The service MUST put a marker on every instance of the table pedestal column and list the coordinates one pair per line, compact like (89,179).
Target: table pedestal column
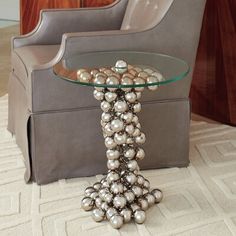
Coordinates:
(123,193)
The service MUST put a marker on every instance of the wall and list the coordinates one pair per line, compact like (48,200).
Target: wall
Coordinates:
(9,9)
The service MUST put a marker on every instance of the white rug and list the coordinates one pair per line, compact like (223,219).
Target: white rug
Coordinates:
(199,200)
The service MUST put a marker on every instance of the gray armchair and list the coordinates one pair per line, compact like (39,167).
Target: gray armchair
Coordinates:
(56,123)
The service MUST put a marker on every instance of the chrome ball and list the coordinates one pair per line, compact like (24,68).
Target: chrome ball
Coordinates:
(136,132)
(102,192)
(120,106)
(85,77)
(127,117)
(100,79)
(135,120)
(146,184)
(132,165)
(104,206)
(157,193)
(98,95)
(137,191)
(98,215)
(139,216)
(117,188)
(129,140)
(106,117)
(110,97)
(94,72)
(120,138)
(88,191)
(112,177)
(112,80)
(130,97)
(150,198)
(116,221)
(110,212)
(152,80)
(98,202)
(117,125)
(129,195)
(137,107)
(97,186)
(112,154)
(105,106)
(105,184)
(119,202)
(93,195)
(131,178)
(140,139)
(79,72)
(107,130)
(139,81)
(129,129)
(121,67)
(87,203)
(108,197)
(127,215)
(140,154)
(127,82)
(113,164)
(140,180)
(143,74)
(143,203)
(110,143)
(129,153)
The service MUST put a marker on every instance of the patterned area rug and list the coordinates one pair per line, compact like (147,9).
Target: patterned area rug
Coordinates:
(198,200)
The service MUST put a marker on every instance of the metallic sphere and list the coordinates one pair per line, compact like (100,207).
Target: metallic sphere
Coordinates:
(127,215)
(98,215)
(110,212)
(88,191)
(139,216)
(157,193)
(120,106)
(112,154)
(87,203)
(116,221)
(117,125)
(119,201)
(113,164)
(110,97)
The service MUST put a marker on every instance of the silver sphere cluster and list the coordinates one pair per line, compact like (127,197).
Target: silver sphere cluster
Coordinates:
(123,194)
(120,74)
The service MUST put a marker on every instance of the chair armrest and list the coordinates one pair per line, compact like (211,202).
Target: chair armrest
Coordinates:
(54,23)
(85,42)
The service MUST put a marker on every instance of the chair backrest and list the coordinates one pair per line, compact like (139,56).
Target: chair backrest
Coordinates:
(144,14)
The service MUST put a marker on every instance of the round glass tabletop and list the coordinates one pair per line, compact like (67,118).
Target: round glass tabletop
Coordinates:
(121,69)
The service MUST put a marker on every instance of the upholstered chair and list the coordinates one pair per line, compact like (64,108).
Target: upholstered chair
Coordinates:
(56,123)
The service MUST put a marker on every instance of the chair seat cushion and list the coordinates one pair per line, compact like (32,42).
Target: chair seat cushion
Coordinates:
(24,58)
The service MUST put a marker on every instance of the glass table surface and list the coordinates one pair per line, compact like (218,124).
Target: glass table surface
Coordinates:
(155,69)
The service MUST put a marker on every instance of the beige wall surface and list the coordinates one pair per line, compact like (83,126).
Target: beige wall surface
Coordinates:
(9,9)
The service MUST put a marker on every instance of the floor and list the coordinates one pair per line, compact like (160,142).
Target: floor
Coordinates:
(6,32)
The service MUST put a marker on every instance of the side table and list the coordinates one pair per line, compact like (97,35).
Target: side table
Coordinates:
(118,79)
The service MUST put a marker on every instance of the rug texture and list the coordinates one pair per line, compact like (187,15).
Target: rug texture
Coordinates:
(199,200)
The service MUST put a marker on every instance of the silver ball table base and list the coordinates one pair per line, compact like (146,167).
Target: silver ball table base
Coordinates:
(123,194)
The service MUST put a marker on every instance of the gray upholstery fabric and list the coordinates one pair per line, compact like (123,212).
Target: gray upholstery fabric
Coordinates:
(56,123)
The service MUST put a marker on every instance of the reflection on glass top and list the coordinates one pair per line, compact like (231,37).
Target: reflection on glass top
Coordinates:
(118,69)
